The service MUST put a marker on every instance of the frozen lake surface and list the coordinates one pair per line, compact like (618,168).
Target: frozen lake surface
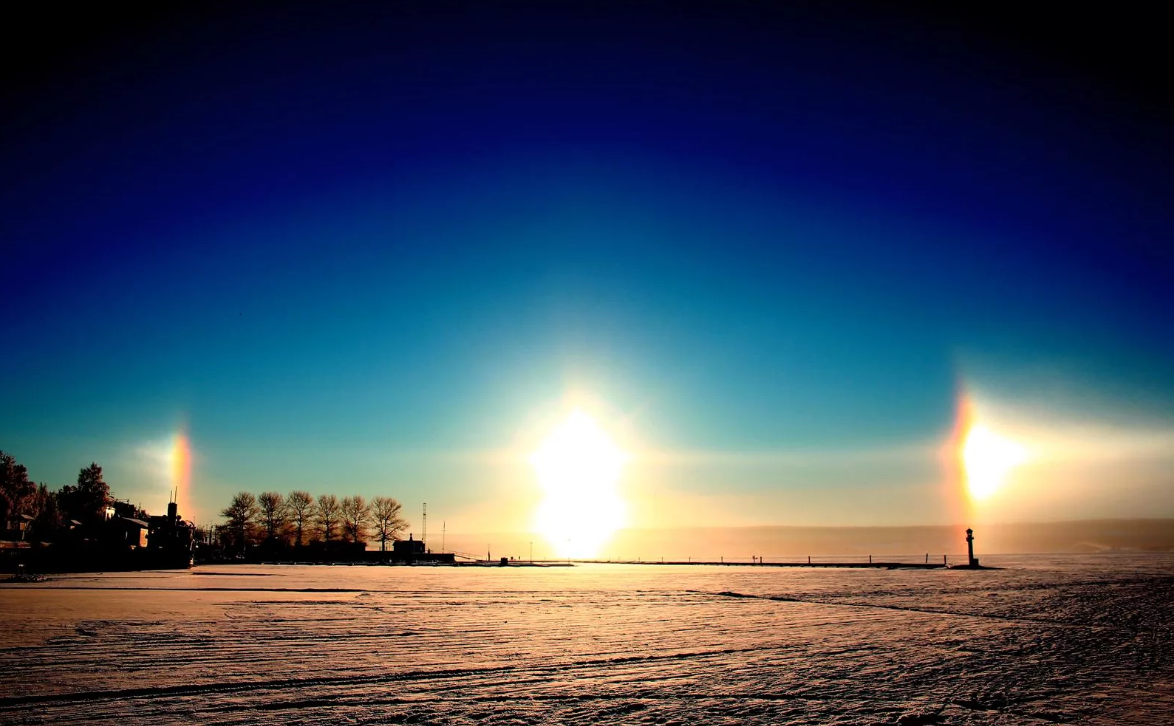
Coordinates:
(1073,640)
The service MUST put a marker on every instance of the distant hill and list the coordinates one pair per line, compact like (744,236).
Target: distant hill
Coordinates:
(1128,535)
(1050,537)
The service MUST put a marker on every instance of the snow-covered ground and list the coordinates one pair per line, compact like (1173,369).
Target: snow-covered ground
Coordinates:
(1079,640)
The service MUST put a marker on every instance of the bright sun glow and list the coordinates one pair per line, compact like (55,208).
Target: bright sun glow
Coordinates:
(578,467)
(988,458)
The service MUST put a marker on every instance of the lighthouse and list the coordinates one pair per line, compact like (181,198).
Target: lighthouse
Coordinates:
(970,547)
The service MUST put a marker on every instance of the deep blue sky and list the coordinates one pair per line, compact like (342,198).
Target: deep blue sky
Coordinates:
(314,235)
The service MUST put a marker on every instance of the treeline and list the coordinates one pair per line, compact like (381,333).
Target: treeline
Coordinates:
(298,519)
(34,511)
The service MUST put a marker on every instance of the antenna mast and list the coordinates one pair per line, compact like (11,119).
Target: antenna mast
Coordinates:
(425,537)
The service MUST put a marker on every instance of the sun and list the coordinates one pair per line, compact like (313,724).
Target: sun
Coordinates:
(988,458)
(578,467)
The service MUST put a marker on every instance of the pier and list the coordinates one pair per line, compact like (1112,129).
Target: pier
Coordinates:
(906,562)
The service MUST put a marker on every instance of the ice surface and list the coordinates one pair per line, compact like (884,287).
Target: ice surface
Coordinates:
(1079,640)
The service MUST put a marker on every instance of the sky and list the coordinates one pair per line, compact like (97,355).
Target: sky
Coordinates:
(785,258)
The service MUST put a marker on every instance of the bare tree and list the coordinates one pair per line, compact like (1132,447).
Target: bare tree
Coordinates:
(241,514)
(299,506)
(356,514)
(272,513)
(327,514)
(385,515)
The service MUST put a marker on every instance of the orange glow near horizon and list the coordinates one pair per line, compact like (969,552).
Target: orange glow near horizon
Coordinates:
(180,466)
(578,467)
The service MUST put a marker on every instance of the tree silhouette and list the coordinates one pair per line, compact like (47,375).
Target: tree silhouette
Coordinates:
(327,514)
(242,515)
(300,507)
(46,513)
(86,501)
(385,514)
(272,506)
(356,514)
(15,488)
